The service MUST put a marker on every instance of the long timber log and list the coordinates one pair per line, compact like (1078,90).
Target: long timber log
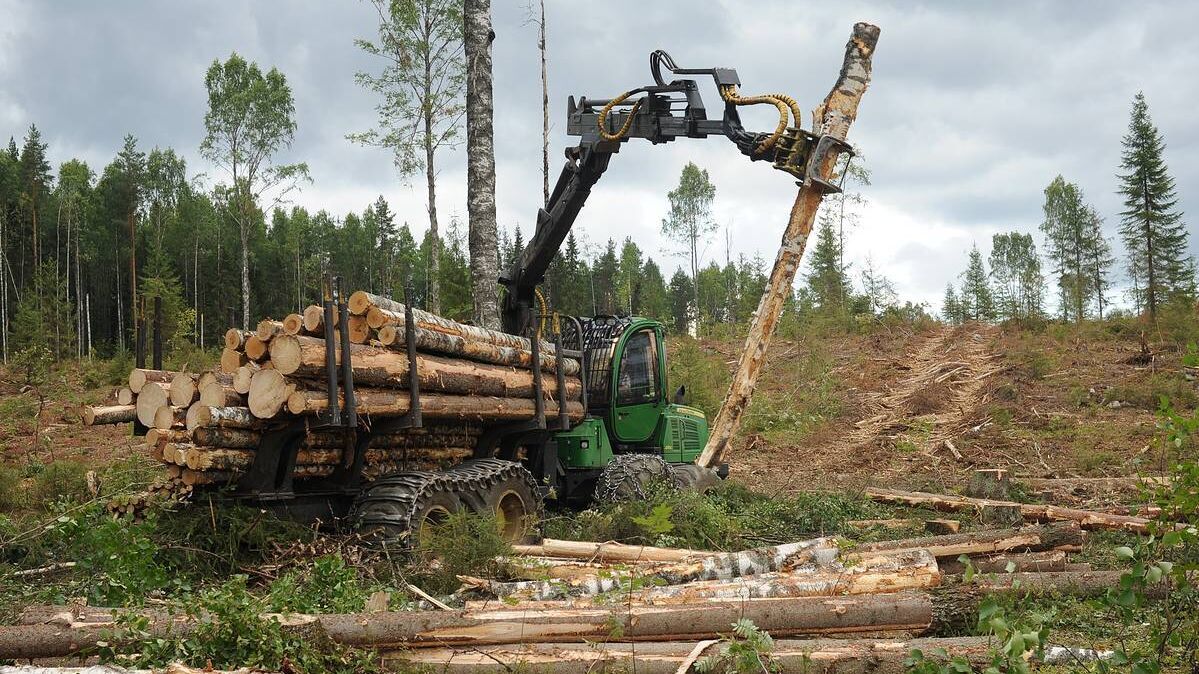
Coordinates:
(901,612)
(1061,535)
(1087,519)
(305,357)
(382,403)
(392,335)
(362,302)
(607,552)
(877,574)
(789,656)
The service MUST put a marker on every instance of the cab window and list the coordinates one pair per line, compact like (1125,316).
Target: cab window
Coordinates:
(638,378)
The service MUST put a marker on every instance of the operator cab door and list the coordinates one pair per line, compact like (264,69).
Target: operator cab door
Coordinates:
(638,383)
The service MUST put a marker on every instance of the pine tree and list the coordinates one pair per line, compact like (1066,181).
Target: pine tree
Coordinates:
(1153,231)
(34,177)
(976,298)
(877,289)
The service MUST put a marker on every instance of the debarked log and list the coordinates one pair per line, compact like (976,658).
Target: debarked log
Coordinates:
(381,403)
(305,357)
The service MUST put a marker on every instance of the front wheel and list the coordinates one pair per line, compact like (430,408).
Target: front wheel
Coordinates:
(629,476)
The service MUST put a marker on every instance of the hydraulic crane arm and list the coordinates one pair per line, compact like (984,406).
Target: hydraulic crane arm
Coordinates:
(659,113)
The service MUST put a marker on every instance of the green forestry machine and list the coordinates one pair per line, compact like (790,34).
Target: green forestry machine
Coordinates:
(634,430)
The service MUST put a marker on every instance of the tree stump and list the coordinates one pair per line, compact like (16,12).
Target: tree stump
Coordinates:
(990,483)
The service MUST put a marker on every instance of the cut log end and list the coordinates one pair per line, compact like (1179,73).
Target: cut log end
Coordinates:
(269,391)
(293,324)
(231,360)
(152,396)
(314,319)
(183,390)
(267,329)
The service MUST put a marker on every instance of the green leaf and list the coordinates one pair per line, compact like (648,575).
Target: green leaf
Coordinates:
(1124,553)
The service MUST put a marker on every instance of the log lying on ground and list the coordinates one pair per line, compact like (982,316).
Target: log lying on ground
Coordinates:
(607,552)
(1038,512)
(108,414)
(877,574)
(955,606)
(224,417)
(139,377)
(789,656)
(183,389)
(434,406)
(392,335)
(810,555)
(152,396)
(1062,535)
(305,357)
(901,612)
(1051,560)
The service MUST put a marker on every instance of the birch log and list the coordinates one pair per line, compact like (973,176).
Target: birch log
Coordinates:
(833,117)
(607,552)
(199,416)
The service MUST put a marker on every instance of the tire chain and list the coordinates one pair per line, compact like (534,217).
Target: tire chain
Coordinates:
(626,469)
(473,478)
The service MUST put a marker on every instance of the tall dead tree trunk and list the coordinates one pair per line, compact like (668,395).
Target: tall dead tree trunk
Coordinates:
(545,110)
(833,117)
(480,162)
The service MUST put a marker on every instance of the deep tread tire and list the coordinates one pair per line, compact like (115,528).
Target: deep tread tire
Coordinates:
(691,476)
(628,477)
(395,508)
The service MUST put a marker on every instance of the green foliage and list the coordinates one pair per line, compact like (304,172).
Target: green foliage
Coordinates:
(976,301)
(702,372)
(1165,562)
(464,544)
(1191,357)
(746,651)
(60,481)
(232,629)
(1154,234)
(1016,268)
(728,517)
(33,362)
(11,491)
(322,585)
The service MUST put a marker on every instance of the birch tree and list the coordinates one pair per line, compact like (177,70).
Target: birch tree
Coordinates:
(690,218)
(480,161)
(420,90)
(251,118)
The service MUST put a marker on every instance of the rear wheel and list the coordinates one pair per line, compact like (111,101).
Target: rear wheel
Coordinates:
(629,476)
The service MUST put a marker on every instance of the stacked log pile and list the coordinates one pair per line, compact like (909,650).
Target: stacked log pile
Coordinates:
(206,427)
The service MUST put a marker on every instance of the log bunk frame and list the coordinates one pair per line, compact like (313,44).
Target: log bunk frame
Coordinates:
(270,479)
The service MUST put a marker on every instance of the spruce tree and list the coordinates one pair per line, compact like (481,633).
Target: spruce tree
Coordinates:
(951,308)
(1152,228)
(681,293)
(827,283)
(1099,259)
(976,292)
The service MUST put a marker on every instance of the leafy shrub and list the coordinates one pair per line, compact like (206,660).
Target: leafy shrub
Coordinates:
(325,585)
(232,630)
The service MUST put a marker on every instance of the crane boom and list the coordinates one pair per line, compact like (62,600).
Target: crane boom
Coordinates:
(661,113)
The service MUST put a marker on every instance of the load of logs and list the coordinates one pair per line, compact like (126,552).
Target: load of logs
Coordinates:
(206,426)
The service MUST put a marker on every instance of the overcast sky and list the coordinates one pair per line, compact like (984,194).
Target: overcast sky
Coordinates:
(973,107)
